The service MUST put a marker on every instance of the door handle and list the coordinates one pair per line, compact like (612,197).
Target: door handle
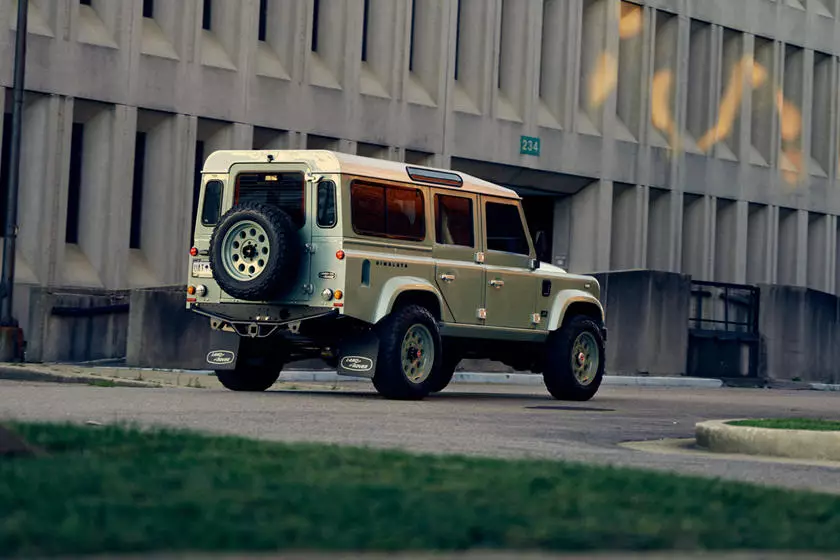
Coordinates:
(497,283)
(447,277)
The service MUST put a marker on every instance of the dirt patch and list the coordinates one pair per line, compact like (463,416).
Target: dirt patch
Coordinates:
(12,445)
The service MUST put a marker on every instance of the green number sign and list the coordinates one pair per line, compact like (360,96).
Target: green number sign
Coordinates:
(529,146)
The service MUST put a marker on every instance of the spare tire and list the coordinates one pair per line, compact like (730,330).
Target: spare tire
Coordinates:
(254,253)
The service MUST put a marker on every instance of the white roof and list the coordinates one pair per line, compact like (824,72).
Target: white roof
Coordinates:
(325,161)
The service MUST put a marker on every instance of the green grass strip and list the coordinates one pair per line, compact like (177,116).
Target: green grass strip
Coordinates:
(106,489)
(790,424)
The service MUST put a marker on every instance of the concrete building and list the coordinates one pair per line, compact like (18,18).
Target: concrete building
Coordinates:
(692,136)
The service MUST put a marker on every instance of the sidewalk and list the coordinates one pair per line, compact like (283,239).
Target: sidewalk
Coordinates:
(108,375)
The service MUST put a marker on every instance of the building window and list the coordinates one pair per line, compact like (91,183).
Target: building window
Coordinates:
(411,36)
(74,187)
(263,24)
(148,8)
(207,15)
(505,232)
(365,29)
(137,190)
(316,16)
(454,221)
(392,212)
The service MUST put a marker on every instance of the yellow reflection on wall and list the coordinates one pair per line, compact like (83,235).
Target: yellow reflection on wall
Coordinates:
(660,105)
(603,80)
(631,21)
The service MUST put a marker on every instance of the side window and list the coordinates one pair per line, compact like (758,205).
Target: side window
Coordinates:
(392,212)
(504,229)
(326,204)
(212,207)
(454,220)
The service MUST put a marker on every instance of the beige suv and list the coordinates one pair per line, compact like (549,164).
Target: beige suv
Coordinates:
(388,271)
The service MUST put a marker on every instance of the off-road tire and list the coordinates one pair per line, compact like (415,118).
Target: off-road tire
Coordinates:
(389,379)
(281,269)
(444,375)
(558,374)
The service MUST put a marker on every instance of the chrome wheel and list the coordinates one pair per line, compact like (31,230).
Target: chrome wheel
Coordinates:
(418,354)
(586,358)
(245,251)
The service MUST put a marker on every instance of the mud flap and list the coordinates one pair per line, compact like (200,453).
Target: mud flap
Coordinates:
(357,356)
(222,350)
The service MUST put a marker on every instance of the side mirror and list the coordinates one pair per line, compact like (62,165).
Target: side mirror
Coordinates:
(541,246)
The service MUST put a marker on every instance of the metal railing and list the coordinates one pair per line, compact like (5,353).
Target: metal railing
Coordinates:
(721,308)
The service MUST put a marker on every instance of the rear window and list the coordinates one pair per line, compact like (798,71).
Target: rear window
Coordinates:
(283,190)
(388,211)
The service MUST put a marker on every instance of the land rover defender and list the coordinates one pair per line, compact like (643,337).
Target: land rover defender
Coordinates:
(385,270)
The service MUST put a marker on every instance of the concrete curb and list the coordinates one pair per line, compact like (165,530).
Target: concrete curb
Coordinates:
(22,373)
(522,379)
(721,437)
(93,374)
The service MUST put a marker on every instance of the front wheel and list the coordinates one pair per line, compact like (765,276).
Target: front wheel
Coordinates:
(574,360)
(409,354)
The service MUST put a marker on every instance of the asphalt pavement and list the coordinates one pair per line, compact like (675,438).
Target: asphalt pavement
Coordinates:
(501,421)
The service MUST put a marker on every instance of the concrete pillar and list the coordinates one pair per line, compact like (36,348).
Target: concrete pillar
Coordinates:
(105,189)
(591,210)
(167,202)
(43,186)
(696,236)
(793,248)
(730,234)
(627,245)
(760,245)
(819,252)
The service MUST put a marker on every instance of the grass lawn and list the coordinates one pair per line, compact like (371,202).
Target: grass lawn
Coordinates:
(791,424)
(111,489)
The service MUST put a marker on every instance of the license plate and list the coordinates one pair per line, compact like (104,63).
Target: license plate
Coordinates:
(201,269)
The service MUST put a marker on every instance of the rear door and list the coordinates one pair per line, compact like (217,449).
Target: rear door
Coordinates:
(288,187)
(459,277)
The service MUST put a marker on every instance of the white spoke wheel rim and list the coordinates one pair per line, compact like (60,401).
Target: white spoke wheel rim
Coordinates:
(417,354)
(245,251)
(585,358)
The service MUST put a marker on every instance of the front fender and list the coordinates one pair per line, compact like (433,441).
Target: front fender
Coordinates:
(394,287)
(561,304)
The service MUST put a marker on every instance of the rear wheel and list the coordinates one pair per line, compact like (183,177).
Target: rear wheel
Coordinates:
(574,360)
(409,354)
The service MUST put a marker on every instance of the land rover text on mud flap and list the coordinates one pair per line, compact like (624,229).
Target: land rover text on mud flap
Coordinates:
(385,270)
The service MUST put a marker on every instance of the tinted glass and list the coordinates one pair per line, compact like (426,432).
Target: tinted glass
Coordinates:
(326,204)
(212,207)
(283,190)
(405,218)
(504,229)
(368,209)
(388,211)
(454,220)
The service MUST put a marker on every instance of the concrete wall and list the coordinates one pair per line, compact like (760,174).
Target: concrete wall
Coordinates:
(800,331)
(74,325)
(647,321)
